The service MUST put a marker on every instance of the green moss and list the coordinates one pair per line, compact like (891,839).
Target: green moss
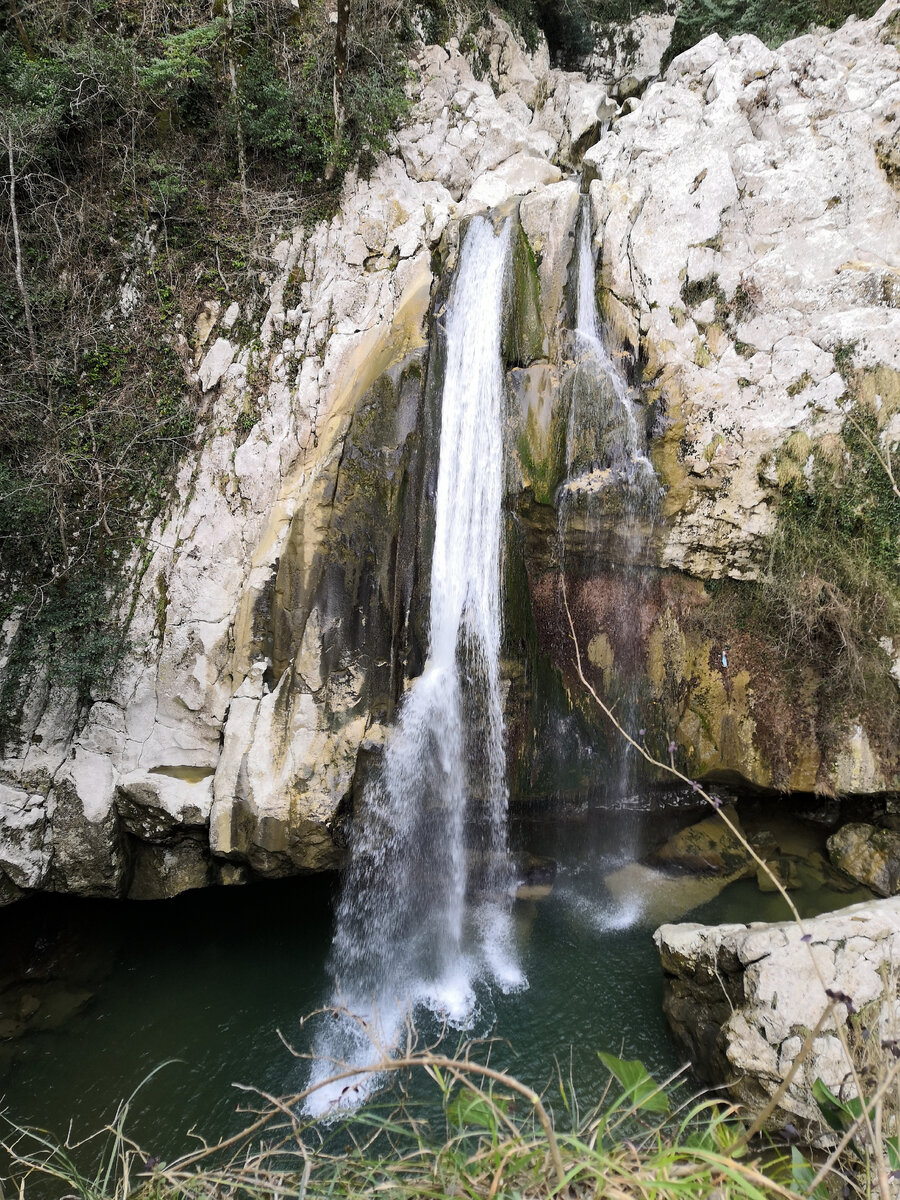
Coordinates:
(524,335)
(800,385)
(831,585)
(543,473)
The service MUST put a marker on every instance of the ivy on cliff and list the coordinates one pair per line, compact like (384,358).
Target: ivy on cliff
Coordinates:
(140,176)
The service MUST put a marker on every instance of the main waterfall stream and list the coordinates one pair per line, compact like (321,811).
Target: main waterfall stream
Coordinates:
(425,906)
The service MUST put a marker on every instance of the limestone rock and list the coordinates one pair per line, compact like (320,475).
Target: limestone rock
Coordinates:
(517,175)
(740,999)
(88,855)
(512,67)
(626,55)
(217,361)
(165,870)
(156,804)
(548,219)
(24,838)
(749,231)
(868,854)
(733,180)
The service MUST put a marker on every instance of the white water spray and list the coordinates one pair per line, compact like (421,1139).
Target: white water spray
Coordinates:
(425,908)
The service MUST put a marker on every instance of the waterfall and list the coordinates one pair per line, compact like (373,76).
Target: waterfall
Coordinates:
(425,907)
(606,510)
(597,370)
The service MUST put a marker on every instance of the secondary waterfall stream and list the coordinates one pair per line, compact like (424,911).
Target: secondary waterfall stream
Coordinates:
(425,907)
(606,510)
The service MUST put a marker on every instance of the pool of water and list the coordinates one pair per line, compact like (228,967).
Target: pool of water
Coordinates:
(95,995)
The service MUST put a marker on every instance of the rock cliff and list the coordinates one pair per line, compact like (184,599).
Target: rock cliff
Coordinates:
(749,220)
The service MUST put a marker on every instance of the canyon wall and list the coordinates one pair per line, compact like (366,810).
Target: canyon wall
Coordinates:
(748,218)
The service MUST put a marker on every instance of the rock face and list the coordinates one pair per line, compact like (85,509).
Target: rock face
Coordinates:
(742,999)
(750,231)
(748,225)
(278,617)
(868,854)
(627,55)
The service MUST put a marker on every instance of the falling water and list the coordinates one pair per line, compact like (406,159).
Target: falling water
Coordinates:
(425,907)
(606,509)
(601,403)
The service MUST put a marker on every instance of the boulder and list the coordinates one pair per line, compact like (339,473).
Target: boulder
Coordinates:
(741,999)
(868,854)
(708,847)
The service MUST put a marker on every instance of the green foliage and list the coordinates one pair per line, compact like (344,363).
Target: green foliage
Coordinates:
(497,1139)
(125,122)
(773,23)
(187,57)
(641,1090)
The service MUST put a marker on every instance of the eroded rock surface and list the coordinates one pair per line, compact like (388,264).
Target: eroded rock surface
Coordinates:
(275,621)
(868,854)
(742,999)
(750,232)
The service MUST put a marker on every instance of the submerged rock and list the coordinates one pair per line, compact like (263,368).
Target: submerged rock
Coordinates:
(708,847)
(536,876)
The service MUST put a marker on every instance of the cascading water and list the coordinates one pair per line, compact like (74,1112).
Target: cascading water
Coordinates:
(425,908)
(606,509)
(603,445)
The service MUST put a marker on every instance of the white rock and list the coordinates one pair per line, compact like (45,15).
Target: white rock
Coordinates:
(517,176)
(781,990)
(218,359)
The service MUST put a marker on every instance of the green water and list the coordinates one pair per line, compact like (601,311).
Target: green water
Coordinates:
(211,978)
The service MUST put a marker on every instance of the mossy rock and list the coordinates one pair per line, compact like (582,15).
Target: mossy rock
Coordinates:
(524,333)
(707,848)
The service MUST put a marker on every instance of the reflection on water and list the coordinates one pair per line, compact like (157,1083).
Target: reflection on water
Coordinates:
(94,995)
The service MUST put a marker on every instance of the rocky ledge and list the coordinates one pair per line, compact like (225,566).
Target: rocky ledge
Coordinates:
(742,1000)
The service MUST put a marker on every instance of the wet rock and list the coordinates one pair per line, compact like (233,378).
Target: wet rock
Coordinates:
(741,998)
(162,871)
(274,619)
(868,854)
(536,876)
(657,896)
(783,870)
(548,220)
(707,848)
